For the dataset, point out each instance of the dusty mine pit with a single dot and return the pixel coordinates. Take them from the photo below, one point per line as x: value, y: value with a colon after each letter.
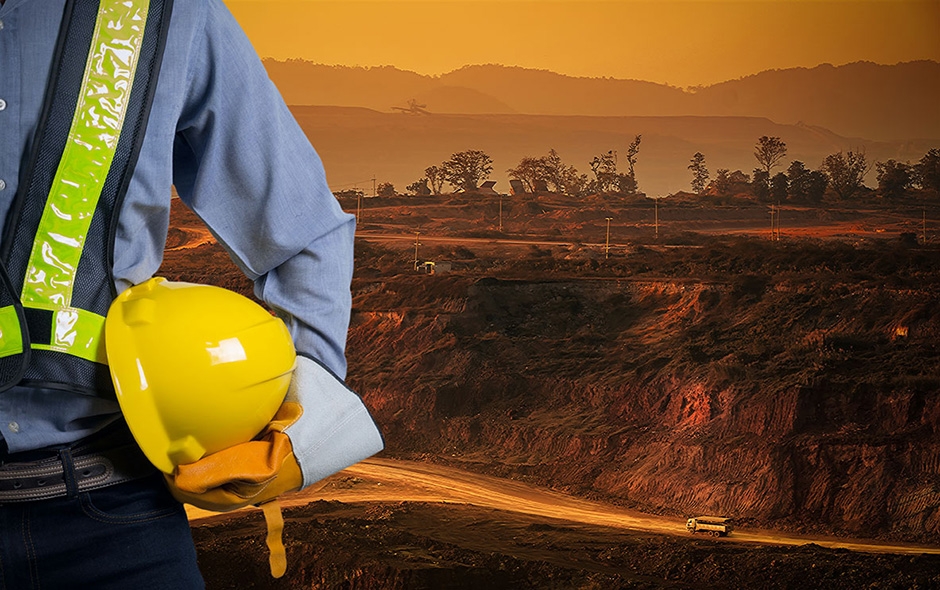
x: 791, y: 385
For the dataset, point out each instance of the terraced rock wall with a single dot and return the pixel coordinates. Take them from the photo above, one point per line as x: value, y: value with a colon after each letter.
x: 792, y: 404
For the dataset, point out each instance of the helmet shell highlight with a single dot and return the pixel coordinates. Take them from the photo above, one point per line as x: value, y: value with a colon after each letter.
x: 197, y: 368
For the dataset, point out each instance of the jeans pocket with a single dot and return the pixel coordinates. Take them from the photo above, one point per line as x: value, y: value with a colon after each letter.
x: 131, y: 502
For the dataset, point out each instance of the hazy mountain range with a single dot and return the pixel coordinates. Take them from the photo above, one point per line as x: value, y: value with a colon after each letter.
x: 510, y: 113
x: 859, y: 100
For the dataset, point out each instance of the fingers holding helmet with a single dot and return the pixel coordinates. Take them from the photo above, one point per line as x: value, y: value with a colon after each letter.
x: 249, y: 473
x: 217, y: 398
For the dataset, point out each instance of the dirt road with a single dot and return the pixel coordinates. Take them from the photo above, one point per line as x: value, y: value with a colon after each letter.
x: 387, y: 480
x: 410, y: 238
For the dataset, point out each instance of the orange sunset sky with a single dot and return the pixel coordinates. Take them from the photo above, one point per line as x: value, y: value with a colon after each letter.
x: 678, y: 42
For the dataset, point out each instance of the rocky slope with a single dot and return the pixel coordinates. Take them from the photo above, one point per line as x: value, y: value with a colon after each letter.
x: 791, y: 386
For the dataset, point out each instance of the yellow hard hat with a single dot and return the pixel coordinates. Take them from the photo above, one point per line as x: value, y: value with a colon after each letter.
x: 197, y: 368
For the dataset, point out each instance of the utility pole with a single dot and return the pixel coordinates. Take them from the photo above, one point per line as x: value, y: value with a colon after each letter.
x: 374, y: 194
x: 607, y: 244
x: 772, y: 213
x: 417, y: 233
x: 925, y: 227
x: 777, y: 221
x: 358, y: 205
x: 500, y: 213
x: 656, y: 216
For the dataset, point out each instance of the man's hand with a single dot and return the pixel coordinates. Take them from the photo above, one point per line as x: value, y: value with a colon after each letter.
x: 249, y: 473
x: 321, y: 428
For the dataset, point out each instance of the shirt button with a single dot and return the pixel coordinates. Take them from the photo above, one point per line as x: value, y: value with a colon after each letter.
x: 1, y: 25
x: 3, y: 104
x: 3, y: 184
x: 14, y: 427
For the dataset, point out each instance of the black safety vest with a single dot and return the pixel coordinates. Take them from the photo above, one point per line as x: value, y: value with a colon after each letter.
x: 57, y: 253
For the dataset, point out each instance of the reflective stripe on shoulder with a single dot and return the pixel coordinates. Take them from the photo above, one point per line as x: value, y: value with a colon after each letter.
x: 79, y: 180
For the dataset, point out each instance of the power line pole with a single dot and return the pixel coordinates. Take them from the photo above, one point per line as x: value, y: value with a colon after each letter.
x: 656, y: 216
x: 607, y: 244
x: 417, y: 233
x: 773, y: 213
x: 501, y: 213
x: 373, y: 187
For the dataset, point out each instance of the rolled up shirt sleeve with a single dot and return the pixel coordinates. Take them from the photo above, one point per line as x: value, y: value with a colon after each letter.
x: 244, y: 166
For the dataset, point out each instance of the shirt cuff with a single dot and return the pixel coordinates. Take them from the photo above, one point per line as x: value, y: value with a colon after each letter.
x: 335, y: 429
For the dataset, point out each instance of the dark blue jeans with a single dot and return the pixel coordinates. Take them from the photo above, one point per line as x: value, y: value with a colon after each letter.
x: 130, y: 535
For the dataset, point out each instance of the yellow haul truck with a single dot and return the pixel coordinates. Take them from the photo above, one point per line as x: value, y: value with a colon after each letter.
x: 716, y: 526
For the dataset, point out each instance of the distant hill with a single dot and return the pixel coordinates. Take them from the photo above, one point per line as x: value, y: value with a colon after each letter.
x: 540, y: 92
x: 862, y: 100
x: 305, y: 83
x: 357, y: 144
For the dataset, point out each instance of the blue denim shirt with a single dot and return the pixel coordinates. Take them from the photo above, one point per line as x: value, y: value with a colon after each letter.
x: 220, y: 132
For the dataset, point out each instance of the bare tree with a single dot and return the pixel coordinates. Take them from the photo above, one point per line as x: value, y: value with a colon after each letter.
x: 699, y: 173
x: 435, y: 178
x: 632, y: 152
x: 769, y: 151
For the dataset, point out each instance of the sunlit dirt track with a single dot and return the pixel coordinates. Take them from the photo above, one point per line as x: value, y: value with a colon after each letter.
x: 386, y: 480
x: 188, y: 238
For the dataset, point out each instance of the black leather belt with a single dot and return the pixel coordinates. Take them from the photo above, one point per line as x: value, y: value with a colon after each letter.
x: 81, y: 468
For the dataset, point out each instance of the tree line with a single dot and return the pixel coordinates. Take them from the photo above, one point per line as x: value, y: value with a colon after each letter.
x: 840, y: 177
x: 465, y: 171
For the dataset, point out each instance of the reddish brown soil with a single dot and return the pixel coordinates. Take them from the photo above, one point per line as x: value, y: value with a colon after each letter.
x: 432, y: 546
x: 791, y: 385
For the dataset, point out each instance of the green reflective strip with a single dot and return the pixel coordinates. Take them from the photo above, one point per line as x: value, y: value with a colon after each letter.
x: 77, y: 332
x: 89, y: 151
x: 11, y: 339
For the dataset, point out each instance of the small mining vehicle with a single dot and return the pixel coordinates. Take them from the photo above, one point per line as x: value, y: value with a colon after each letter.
x: 716, y: 526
